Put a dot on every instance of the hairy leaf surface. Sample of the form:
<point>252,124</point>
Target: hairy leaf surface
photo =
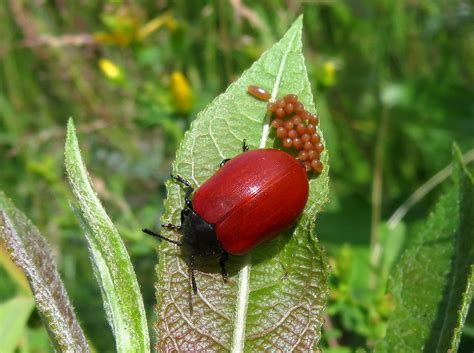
<point>29,250</point>
<point>432,286</point>
<point>111,263</point>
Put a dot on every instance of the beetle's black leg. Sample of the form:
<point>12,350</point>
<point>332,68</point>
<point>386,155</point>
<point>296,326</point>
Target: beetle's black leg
<point>224,161</point>
<point>189,189</point>
<point>191,274</point>
<point>222,261</point>
<point>147,231</point>
<point>172,227</point>
<point>245,147</point>
<point>183,181</point>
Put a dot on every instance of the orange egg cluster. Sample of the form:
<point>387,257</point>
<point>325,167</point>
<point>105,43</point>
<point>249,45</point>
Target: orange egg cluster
<point>296,127</point>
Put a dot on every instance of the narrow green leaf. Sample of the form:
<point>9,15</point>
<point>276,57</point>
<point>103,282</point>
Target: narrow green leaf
<point>14,315</point>
<point>277,293</point>
<point>432,287</point>
<point>112,267</point>
<point>31,253</point>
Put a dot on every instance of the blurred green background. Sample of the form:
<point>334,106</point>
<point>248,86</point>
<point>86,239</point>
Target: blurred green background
<point>393,83</point>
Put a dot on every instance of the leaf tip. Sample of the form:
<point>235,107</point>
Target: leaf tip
<point>71,143</point>
<point>297,25</point>
<point>70,124</point>
<point>71,129</point>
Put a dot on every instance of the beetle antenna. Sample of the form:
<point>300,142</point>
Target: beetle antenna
<point>193,282</point>
<point>147,231</point>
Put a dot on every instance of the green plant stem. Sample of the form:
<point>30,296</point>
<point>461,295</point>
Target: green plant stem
<point>424,189</point>
<point>376,197</point>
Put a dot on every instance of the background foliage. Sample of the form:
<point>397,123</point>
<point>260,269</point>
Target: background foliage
<point>393,83</point>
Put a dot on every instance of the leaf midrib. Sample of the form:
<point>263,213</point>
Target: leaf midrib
<point>238,337</point>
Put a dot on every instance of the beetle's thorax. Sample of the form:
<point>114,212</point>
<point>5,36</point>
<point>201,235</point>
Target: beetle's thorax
<point>199,235</point>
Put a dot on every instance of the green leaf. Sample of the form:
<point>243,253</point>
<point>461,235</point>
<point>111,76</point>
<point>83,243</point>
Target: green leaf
<point>31,253</point>
<point>36,340</point>
<point>112,267</point>
<point>14,315</point>
<point>277,293</point>
<point>432,287</point>
<point>391,245</point>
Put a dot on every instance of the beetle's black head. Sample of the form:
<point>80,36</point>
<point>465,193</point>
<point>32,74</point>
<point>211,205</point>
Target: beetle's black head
<point>199,235</point>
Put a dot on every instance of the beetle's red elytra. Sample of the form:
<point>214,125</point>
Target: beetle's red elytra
<point>295,127</point>
<point>254,196</point>
<point>248,200</point>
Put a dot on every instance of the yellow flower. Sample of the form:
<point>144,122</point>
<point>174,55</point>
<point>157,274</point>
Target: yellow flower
<point>110,70</point>
<point>181,90</point>
<point>329,73</point>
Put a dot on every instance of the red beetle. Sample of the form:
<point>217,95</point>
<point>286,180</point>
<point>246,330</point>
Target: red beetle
<point>250,199</point>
